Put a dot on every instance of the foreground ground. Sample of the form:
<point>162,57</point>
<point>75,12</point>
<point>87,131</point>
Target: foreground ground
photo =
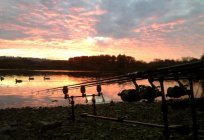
<point>54,123</point>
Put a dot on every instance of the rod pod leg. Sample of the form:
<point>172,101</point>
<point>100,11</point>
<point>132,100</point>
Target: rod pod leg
<point>72,107</point>
<point>164,109</point>
<point>94,104</point>
<point>193,111</point>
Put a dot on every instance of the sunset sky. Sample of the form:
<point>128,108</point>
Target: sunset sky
<point>144,29</point>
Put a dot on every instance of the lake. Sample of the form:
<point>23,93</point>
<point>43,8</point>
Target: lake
<point>15,95</point>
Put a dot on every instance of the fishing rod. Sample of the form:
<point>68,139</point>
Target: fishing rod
<point>87,82</point>
<point>168,73</point>
<point>76,86</point>
<point>181,69</point>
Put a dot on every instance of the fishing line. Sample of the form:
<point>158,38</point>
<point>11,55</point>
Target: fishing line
<point>167,73</point>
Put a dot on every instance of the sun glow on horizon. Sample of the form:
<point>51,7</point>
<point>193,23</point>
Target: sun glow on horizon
<point>90,40</point>
<point>88,47</point>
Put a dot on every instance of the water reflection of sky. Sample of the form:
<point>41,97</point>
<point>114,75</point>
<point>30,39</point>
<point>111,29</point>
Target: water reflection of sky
<point>21,94</point>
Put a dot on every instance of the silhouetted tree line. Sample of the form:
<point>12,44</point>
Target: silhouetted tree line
<point>31,63</point>
<point>102,62</point>
<point>121,63</point>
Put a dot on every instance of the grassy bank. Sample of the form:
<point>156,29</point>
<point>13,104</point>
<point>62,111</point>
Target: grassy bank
<point>55,123</point>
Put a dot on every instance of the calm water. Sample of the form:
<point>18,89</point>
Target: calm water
<point>14,94</point>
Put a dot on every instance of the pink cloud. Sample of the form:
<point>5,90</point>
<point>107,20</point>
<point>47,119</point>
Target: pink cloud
<point>145,35</point>
<point>45,23</point>
<point>164,27</point>
<point>76,9</point>
<point>94,12</point>
<point>13,27</point>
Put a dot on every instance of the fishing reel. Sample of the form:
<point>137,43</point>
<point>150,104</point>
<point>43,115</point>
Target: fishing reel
<point>148,93</point>
<point>177,91</point>
<point>129,95</point>
<point>142,92</point>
